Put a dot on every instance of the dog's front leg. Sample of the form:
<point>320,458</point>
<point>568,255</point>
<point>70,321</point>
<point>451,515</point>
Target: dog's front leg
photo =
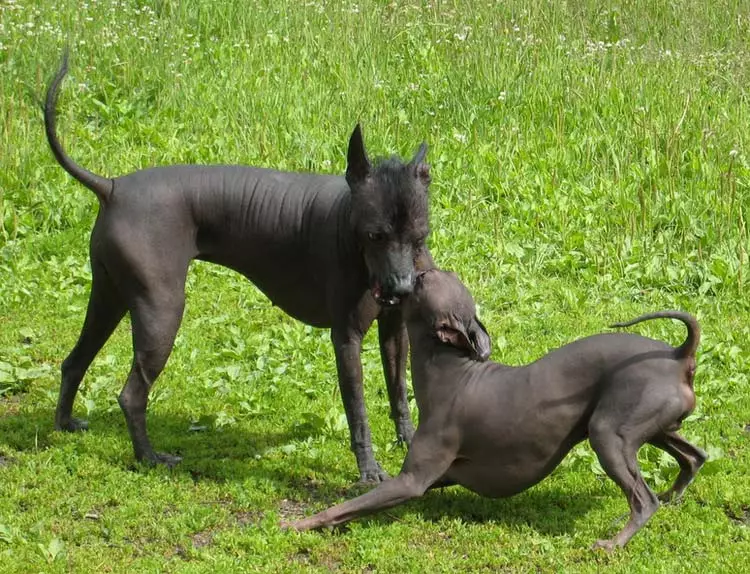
<point>394,351</point>
<point>428,459</point>
<point>347,344</point>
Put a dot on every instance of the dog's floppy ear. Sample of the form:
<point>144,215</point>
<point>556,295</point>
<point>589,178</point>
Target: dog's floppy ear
<point>481,342</point>
<point>357,164</point>
<point>453,333</point>
<point>421,169</point>
<point>475,341</point>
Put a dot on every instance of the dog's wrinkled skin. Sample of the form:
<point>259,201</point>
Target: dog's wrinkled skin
<point>498,430</point>
<point>330,251</point>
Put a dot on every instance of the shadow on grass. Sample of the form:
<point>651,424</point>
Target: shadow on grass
<point>547,511</point>
<point>229,454</point>
<point>236,454</point>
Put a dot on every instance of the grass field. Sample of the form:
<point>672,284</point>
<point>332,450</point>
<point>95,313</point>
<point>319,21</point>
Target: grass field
<point>589,164</point>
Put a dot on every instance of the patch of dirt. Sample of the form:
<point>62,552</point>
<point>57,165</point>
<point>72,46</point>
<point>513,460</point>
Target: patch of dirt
<point>203,538</point>
<point>250,517</point>
<point>6,460</point>
<point>180,552</point>
<point>740,517</point>
<point>11,403</point>
<point>303,557</point>
<point>291,510</point>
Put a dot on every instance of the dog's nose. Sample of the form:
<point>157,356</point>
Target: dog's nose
<point>401,286</point>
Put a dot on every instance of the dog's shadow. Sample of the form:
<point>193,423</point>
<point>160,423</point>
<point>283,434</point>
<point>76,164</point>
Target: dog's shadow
<point>547,510</point>
<point>233,453</point>
<point>237,454</point>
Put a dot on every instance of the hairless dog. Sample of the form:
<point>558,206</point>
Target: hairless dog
<point>498,430</point>
<point>331,251</point>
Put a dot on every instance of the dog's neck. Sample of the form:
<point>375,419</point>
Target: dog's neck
<point>437,369</point>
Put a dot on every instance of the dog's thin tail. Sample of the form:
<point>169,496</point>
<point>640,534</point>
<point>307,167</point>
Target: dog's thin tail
<point>688,348</point>
<point>101,186</point>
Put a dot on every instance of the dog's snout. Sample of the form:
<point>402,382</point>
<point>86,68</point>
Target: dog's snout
<point>401,285</point>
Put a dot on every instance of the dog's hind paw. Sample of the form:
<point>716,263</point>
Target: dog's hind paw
<point>73,425</point>
<point>168,460</point>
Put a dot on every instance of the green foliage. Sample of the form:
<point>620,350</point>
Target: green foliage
<point>589,164</point>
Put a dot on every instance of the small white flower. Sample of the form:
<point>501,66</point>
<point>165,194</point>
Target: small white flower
<point>459,137</point>
<point>733,153</point>
<point>501,96</point>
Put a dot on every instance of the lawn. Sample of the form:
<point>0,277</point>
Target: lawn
<point>589,164</point>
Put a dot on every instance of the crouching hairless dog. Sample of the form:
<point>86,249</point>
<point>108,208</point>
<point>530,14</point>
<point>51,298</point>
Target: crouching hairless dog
<point>330,251</point>
<point>498,430</point>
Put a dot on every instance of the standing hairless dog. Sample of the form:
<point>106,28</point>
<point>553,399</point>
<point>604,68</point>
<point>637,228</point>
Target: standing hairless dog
<point>330,251</point>
<point>498,430</point>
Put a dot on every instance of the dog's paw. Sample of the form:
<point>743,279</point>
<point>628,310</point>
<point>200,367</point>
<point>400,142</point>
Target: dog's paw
<point>168,460</point>
<point>73,425</point>
<point>404,433</point>
<point>373,476</point>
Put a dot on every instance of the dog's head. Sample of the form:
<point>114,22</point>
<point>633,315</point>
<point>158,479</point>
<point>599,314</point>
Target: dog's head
<point>442,307</point>
<point>390,217</point>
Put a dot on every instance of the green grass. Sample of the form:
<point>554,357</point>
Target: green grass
<point>589,164</point>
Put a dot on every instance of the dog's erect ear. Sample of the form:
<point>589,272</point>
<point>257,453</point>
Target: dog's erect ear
<point>357,164</point>
<point>421,169</point>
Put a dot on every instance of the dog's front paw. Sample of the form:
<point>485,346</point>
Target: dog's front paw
<point>405,432</point>
<point>373,475</point>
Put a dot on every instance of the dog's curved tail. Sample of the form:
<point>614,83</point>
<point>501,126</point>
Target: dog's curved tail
<point>101,186</point>
<point>688,348</point>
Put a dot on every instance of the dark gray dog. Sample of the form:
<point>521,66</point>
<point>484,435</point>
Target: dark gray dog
<point>331,251</point>
<point>498,430</point>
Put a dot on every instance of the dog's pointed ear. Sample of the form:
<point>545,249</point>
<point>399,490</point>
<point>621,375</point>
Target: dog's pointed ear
<point>421,169</point>
<point>357,164</point>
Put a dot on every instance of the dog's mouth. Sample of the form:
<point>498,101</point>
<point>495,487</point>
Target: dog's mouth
<point>381,299</point>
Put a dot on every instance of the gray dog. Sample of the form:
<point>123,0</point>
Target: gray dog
<point>498,430</point>
<point>330,251</point>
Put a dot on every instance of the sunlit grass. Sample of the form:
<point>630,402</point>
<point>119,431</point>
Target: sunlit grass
<point>589,164</point>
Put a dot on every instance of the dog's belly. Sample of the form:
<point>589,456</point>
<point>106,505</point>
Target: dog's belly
<point>497,479</point>
<point>288,282</point>
<point>510,466</point>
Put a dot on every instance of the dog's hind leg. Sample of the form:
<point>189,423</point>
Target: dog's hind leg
<point>156,314</point>
<point>617,450</point>
<point>394,351</point>
<point>105,310</point>
<point>689,457</point>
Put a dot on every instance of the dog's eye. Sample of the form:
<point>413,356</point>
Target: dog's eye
<point>375,237</point>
